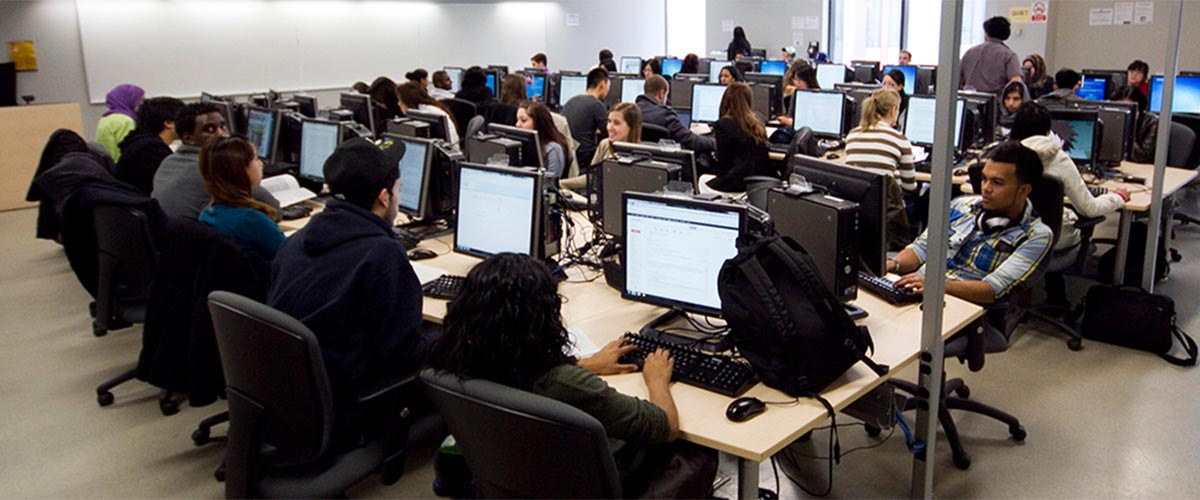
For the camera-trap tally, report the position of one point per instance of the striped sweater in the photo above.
(882, 149)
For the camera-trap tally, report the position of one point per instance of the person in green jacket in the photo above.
(120, 119)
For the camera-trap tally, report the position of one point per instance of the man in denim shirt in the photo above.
(995, 240)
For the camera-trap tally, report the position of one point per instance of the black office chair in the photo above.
(1181, 154)
(518, 444)
(281, 410)
(652, 133)
(463, 111)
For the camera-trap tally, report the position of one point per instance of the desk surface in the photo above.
(1140, 195)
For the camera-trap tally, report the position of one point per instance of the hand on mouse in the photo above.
(658, 367)
(607, 361)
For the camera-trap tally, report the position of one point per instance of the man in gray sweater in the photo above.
(178, 186)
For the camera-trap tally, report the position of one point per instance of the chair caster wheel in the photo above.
(963, 462)
(219, 474)
(201, 437)
(98, 330)
(168, 407)
(1075, 344)
(104, 398)
(963, 392)
(1018, 433)
(872, 431)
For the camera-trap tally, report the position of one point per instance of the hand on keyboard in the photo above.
(912, 282)
(658, 367)
(608, 360)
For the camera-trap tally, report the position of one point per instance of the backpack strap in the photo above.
(1189, 346)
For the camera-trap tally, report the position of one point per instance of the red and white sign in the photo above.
(1038, 12)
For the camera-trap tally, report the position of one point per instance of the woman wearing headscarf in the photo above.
(120, 119)
(1011, 98)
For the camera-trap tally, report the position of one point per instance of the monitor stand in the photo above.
(673, 327)
(856, 313)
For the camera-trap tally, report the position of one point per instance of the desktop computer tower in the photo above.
(623, 174)
(550, 219)
(408, 128)
(484, 146)
(827, 228)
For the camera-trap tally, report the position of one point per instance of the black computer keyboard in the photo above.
(1097, 190)
(720, 374)
(446, 287)
(884, 289)
(295, 212)
(406, 237)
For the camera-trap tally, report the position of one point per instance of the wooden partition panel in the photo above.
(23, 134)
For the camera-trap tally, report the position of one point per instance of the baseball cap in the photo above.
(791, 51)
(359, 168)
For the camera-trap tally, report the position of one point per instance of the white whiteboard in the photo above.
(184, 47)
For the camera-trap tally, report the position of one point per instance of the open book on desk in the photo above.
(287, 190)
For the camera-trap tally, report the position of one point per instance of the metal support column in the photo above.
(1160, 152)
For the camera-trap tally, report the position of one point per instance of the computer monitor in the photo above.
(535, 84)
(1187, 94)
(1116, 77)
(685, 116)
(497, 210)
(318, 139)
(674, 249)
(1079, 131)
(455, 75)
(630, 64)
(980, 117)
(631, 88)
(439, 124)
(819, 110)
(1119, 124)
(308, 105)
(714, 70)
(830, 74)
(926, 80)
(670, 66)
(1094, 88)
(492, 81)
(531, 145)
(415, 172)
(571, 86)
(775, 83)
(706, 102)
(862, 186)
(910, 77)
(685, 158)
(500, 69)
(262, 128)
(773, 67)
(866, 71)
(919, 121)
(360, 105)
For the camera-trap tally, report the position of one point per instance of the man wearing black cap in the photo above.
(348, 279)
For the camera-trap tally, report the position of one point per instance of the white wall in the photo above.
(51, 24)
(1077, 44)
(768, 23)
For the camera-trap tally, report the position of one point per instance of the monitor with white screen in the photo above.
(829, 75)
(318, 139)
(497, 209)
(821, 111)
(706, 102)
(414, 174)
(919, 121)
(571, 86)
(675, 247)
(631, 89)
(714, 70)
(631, 65)
(1187, 94)
(455, 78)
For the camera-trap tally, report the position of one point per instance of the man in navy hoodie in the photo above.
(348, 279)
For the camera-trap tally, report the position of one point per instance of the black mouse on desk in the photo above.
(421, 254)
(832, 156)
(743, 409)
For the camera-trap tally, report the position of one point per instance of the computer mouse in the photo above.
(421, 254)
(959, 172)
(832, 156)
(743, 409)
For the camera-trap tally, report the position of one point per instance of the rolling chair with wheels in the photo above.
(652, 133)
(281, 410)
(519, 444)
(1181, 154)
(463, 111)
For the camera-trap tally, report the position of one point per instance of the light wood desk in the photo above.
(23, 134)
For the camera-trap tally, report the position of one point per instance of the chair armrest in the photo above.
(975, 351)
(386, 387)
(1088, 222)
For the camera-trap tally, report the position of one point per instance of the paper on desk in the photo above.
(426, 274)
(581, 345)
(919, 154)
(287, 190)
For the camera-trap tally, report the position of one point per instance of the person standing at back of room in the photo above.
(989, 66)
(120, 118)
(739, 45)
(875, 144)
(587, 115)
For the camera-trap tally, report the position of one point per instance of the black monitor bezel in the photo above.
(694, 107)
(438, 121)
(659, 153)
(1091, 115)
(340, 132)
(276, 122)
(535, 230)
(305, 102)
(422, 210)
(355, 97)
(524, 136)
(841, 120)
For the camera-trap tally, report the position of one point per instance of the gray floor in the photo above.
(1105, 422)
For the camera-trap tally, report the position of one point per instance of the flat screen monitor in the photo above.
(861, 186)
(318, 139)
(631, 88)
(980, 117)
(439, 124)
(829, 75)
(1119, 120)
(919, 121)
(415, 168)
(531, 145)
(773, 67)
(1187, 94)
(685, 116)
(631, 65)
(821, 111)
(670, 66)
(910, 77)
(714, 70)
(1078, 131)
(226, 109)
(706, 102)
(866, 71)
(926, 80)
(1116, 77)
(360, 105)
(497, 210)
(455, 75)
(1094, 88)
(535, 85)
(674, 249)
(571, 86)
(491, 82)
(308, 105)
(262, 129)
(685, 158)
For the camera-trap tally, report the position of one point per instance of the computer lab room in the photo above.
(747, 249)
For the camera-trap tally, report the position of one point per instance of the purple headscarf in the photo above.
(124, 99)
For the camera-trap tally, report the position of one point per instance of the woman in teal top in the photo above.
(231, 168)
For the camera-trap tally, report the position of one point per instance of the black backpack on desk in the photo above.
(785, 321)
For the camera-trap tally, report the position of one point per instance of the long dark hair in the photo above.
(543, 123)
(738, 105)
(505, 325)
(223, 163)
(413, 95)
(384, 96)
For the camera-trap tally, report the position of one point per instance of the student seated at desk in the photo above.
(1014, 95)
(385, 99)
(691, 64)
(586, 114)
(1040, 81)
(876, 144)
(512, 90)
(1137, 75)
(418, 76)
(1066, 81)
(413, 96)
(894, 80)
(231, 169)
(474, 87)
(119, 119)
(440, 85)
(624, 125)
(651, 67)
(506, 327)
(730, 74)
(348, 279)
(536, 116)
(655, 111)
(801, 76)
(144, 149)
(742, 149)
(1145, 136)
(996, 241)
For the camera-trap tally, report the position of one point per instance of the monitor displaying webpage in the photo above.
(820, 111)
(631, 89)
(706, 102)
(495, 212)
(631, 65)
(535, 86)
(259, 127)
(317, 142)
(412, 175)
(829, 75)
(919, 120)
(571, 86)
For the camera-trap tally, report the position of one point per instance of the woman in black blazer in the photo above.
(741, 141)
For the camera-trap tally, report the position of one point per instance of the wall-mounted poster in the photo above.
(22, 54)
